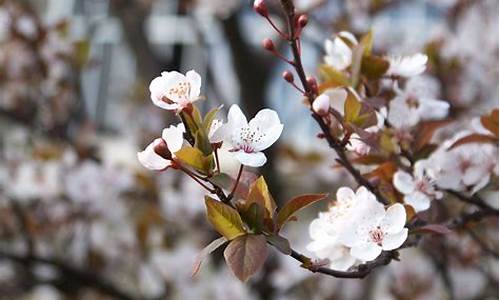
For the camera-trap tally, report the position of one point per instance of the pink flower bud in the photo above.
(288, 76)
(261, 8)
(321, 105)
(302, 21)
(268, 44)
(160, 148)
(313, 84)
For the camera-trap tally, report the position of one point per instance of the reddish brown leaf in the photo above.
(490, 122)
(426, 132)
(296, 204)
(475, 138)
(206, 252)
(245, 255)
(433, 228)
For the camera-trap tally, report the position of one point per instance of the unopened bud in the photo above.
(313, 84)
(321, 105)
(261, 8)
(268, 44)
(302, 21)
(160, 148)
(288, 76)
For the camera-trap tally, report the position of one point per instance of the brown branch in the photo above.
(361, 271)
(68, 272)
(473, 199)
(293, 42)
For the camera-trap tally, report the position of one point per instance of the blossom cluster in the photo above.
(246, 139)
(356, 229)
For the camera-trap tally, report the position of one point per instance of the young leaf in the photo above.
(224, 219)
(202, 142)
(331, 78)
(352, 108)
(194, 158)
(223, 180)
(209, 117)
(357, 56)
(254, 217)
(490, 122)
(433, 228)
(475, 138)
(205, 253)
(374, 67)
(246, 255)
(425, 132)
(296, 204)
(367, 41)
(259, 193)
(280, 243)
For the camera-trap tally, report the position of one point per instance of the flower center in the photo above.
(180, 91)
(246, 138)
(377, 235)
(412, 102)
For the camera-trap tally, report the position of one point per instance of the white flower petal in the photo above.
(418, 200)
(407, 66)
(403, 182)
(339, 55)
(344, 261)
(174, 137)
(394, 220)
(432, 109)
(194, 80)
(366, 251)
(149, 159)
(394, 241)
(266, 122)
(256, 159)
(345, 194)
(236, 118)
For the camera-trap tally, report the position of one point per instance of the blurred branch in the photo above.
(78, 277)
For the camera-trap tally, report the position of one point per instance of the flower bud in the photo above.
(268, 44)
(288, 76)
(321, 105)
(261, 8)
(313, 84)
(302, 21)
(160, 148)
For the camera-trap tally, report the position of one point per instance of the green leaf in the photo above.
(352, 108)
(296, 204)
(367, 41)
(206, 252)
(259, 193)
(245, 255)
(331, 78)
(253, 216)
(209, 117)
(223, 180)
(224, 219)
(280, 243)
(374, 67)
(194, 158)
(202, 142)
(81, 52)
(357, 56)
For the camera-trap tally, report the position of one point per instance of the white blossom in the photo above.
(325, 230)
(175, 91)
(466, 168)
(418, 189)
(407, 66)
(418, 101)
(173, 136)
(334, 98)
(248, 139)
(338, 52)
(372, 229)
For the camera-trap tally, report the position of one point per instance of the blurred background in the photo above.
(79, 217)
